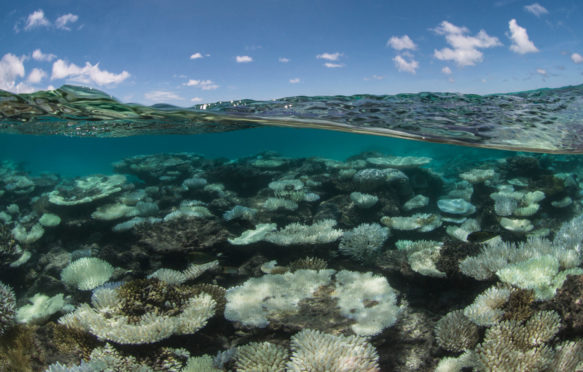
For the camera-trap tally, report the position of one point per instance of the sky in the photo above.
(191, 52)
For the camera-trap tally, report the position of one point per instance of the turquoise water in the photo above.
(257, 228)
(73, 156)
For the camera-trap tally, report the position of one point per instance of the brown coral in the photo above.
(455, 332)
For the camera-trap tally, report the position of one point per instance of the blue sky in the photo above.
(190, 52)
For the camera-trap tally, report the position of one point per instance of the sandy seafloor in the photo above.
(276, 249)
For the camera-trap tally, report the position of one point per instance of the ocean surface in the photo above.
(413, 232)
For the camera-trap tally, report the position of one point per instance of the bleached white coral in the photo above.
(252, 302)
(356, 291)
(449, 364)
(497, 254)
(368, 299)
(320, 232)
(103, 359)
(86, 190)
(363, 242)
(261, 357)
(40, 308)
(240, 212)
(536, 273)
(418, 201)
(21, 234)
(273, 204)
(193, 271)
(87, 273)
(108, 323)
(316, 351)
(422, 256)
(49, 220)
(363, 200)
(255, 235)
(485, 311)
(477, 175)
(421, 222)
(203, 363)
(518, 225)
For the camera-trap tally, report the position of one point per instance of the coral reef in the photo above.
(364, 242)
(87, 273)
(454, 332)
(294, 256)
(316, 351)
(261, 357)
(132, 323)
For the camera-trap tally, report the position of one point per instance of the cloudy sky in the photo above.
(190, 51)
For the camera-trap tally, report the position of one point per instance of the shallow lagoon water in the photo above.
(438, 257)
(74, 156)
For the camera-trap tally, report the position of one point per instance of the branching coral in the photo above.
(261, 357)
(511, 346)
(534, 264)
(455, 332)
(486, 309)
(364, 242)
(316, 351)
(320, 232)
(193, 271)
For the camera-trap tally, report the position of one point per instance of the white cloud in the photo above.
(202, 84)
(196, 99)
(374, 77)
(24, 88)
(333, 65)
(464, 49)
(404, 65)
(11, 67)
(62, 21)
(162, 95)
(294, 80)
(520, 42)
(192, 83)
(536, 9)
(577, 58)
(38, 55)
(400, 43)
(196, 55)
(244, 59)
(36, 76)
(541, 71)
(86, 74)
(283, 60)
(209, 87)
(446, 70)
(330, 56)
(36, 19)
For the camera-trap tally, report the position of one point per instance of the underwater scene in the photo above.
(302, 234)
